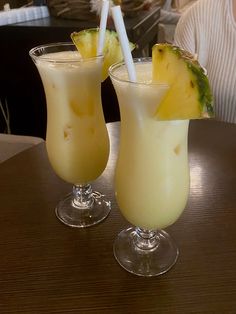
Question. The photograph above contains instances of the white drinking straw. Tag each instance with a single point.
(123, 38)
(102, 27)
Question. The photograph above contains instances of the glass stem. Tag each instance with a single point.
(82, 196)
(146, 239)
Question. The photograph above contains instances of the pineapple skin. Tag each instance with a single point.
(189, 96)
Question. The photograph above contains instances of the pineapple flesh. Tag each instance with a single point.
(86, 43)
(189, 95)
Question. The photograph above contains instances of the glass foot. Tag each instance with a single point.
(81, 213)
(145, 253)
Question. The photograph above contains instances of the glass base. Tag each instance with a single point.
(145, 256)
(87, 214)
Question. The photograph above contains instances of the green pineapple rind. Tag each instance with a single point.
(205, 95)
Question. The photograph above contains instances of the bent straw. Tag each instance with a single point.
(102, 27)
(121, 31)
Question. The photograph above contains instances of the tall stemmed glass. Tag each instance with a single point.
(77, 140)
(152, 173)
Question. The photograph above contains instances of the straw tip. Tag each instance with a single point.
(115, 8)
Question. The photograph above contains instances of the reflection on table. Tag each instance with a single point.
(47, 267)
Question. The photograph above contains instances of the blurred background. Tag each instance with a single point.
(24, 25)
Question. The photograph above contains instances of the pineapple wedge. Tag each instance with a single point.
(189, 95)
(86, 43)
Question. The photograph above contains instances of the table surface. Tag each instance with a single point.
(47, 267)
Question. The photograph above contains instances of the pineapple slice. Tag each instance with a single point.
(189, 95)
(86, 43)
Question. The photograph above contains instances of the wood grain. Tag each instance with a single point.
(46, 267)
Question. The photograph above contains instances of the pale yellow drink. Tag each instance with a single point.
(152, 173)
(77, 139)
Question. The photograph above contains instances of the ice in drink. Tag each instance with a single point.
(152, 172)
(77, 139)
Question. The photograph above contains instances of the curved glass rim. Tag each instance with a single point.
(43, 56)
(116, 65)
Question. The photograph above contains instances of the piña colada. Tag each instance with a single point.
(77, 140)
(152, 173)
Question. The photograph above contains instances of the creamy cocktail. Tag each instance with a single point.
(152, 173)
(77, 140)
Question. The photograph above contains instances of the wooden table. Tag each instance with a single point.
(47, 267)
